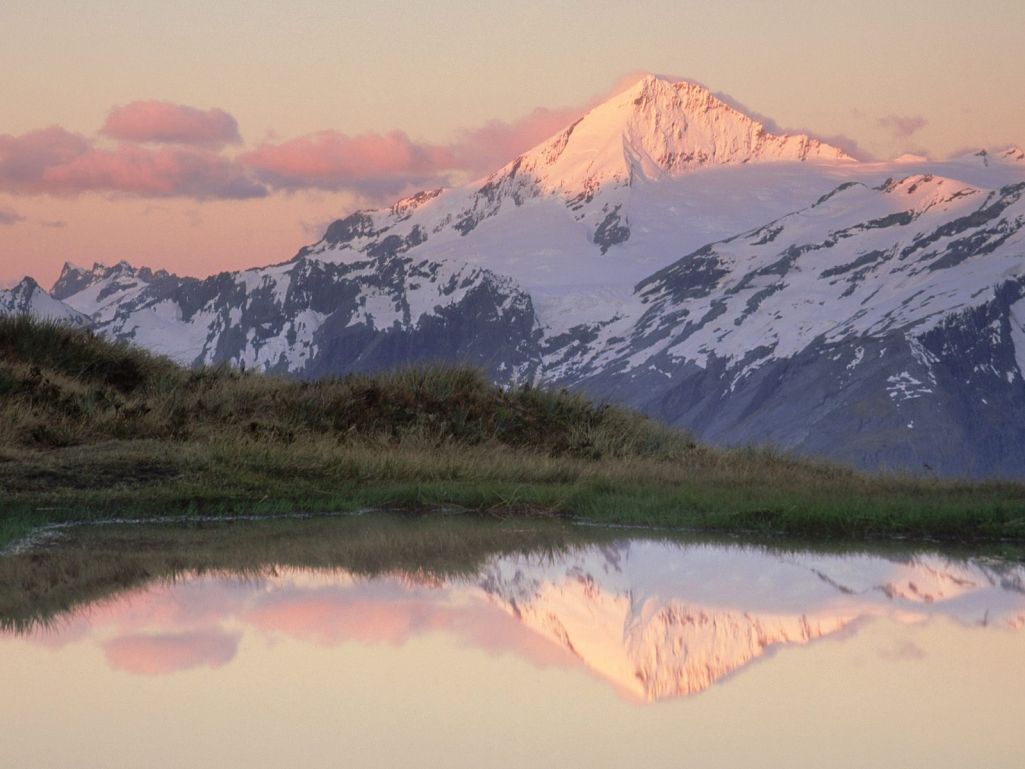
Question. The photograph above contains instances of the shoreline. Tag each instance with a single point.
(46, 533)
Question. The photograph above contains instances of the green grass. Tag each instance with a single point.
(90, 429)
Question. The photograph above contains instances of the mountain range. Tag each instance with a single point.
(668, 252)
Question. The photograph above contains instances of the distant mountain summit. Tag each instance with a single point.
(657, 128)
(668, 252)
(27, 298)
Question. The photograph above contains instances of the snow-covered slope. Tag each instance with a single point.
(860, 261)
(27, 298)
(881, 325)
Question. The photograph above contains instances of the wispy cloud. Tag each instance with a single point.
(164, 653)
(902, 126)
(371, 163)
(167, 123)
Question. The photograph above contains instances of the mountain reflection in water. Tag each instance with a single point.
(654, 619)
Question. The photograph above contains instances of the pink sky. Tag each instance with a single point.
(200, 137)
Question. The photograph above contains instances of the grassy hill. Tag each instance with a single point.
(93, 429)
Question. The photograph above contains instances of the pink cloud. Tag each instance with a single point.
(382, 164)
(180, 608)
(329, 617)
(157, 630)
(902, 126)
(57, 162)
(161, 654)
(149, 172)
(194, 603)
(25, 158)
(389, 614)
(375, 167)
(369, 163)
(166, 123)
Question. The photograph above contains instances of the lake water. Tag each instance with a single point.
(624, 651)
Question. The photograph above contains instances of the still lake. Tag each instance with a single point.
(390, 643)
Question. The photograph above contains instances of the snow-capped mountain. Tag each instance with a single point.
(27, 298)
(577, 220)
(668, 252)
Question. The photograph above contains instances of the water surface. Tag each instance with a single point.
(557, 650)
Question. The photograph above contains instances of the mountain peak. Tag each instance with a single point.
(28, 283)
(987, 156)
(28, 298)
(73, 280)
(1014, 153)
(659, 127)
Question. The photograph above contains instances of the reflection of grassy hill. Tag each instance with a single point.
(92, 563)
(89, 428)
